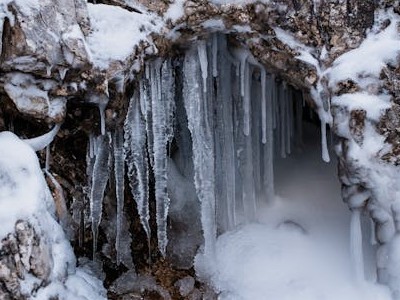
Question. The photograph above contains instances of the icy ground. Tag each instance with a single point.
(300, 249)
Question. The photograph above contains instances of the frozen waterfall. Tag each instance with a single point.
(238, 117)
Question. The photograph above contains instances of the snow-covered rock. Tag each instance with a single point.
(36, 259)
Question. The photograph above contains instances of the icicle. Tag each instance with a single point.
(224, 143)
(263, 106)
(248, 178)
(41, 142)
(324, 143)
(246, 101)
(288, 104)
(373, 240)
(118, 143)
(91, 145)
(162, 116)
(356, 244)
(99, 183)
(61, 206)
(299, 121)
(135, 153)
(283, 121)
(62, 72)
(274, 97)
(47, 163)
(202, 52)
(202, 139)
(243, 77)
(102, 108)
(269, 147)
(215, 54)
(154, 86)
(48, 70)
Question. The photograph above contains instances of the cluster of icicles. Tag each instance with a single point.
(238, 116)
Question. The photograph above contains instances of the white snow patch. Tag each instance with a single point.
(22, 186)
(116, 32)
(373, 105)
(242, 28)
(304, 51)
(216, 24)
(175, 10)
(371, 56)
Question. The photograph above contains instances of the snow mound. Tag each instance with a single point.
(258, 262)
(24, 196)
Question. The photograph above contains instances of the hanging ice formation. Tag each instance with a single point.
(356, 244)
(136, 156)
(119, 164)
(162, 119)
(41, 142)
(238, 118)
(99, 178)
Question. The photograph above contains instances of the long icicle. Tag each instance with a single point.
(324, 143)
(356, 244)
(269, 147)
(202, 52)
(202, 140)
(163, 111)
(136, 157)
(263, 105)
(99, 183)
(118, 147)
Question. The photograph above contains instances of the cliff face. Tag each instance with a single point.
(78, 63)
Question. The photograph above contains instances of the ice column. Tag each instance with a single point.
(135, 153)
(163, 99)
(356, 244)
(98, 186)
(118, 144)
(203, 148)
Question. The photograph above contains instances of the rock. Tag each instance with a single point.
(130, 283)
(185, 285)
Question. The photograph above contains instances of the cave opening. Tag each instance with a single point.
(265, 176)
(232, 174)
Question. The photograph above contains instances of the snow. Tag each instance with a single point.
(24, 195)
(291, 253)
(41, 142)
(374, 53)
(374, 105)
(22, 182)
(175, 10)
(214, 24)
(108, 42)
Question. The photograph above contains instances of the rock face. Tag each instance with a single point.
(55, 67)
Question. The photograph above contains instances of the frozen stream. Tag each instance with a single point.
(300, 248)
